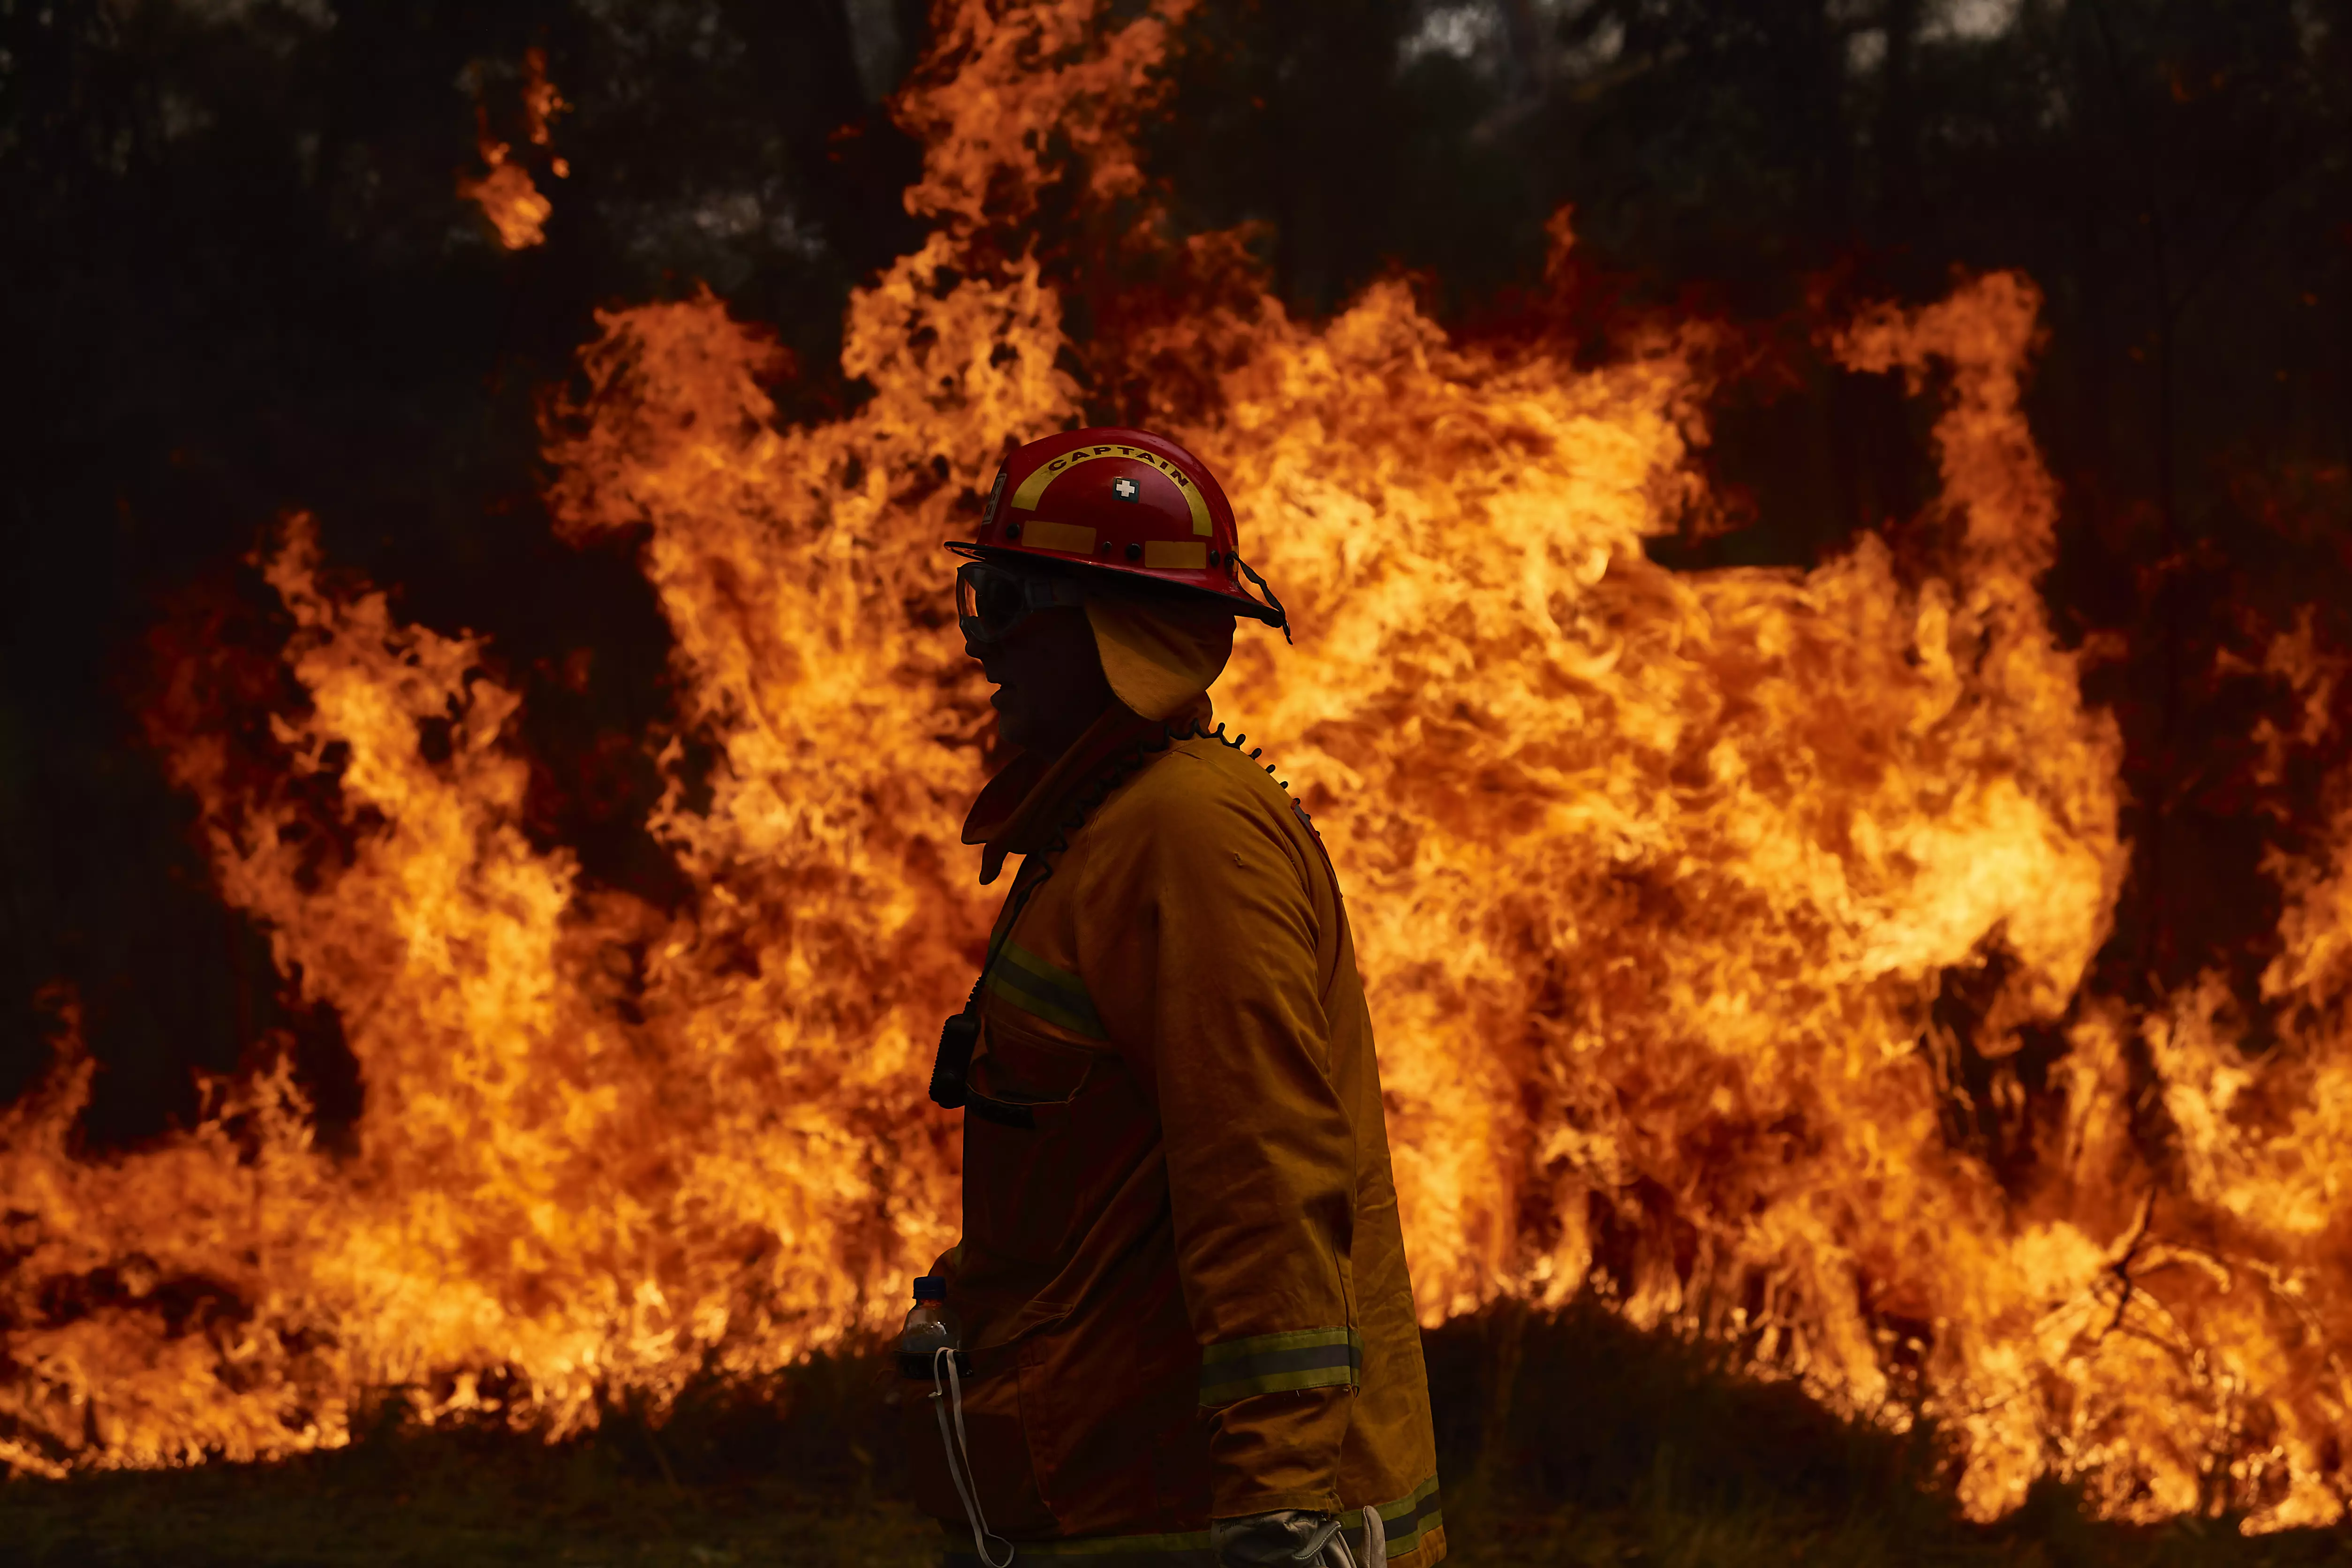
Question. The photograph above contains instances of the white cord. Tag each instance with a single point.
(949, 1397)
(1328, 1537)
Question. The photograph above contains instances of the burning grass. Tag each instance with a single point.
(1614, 1447)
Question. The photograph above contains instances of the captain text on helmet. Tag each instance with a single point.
(1188, 1335)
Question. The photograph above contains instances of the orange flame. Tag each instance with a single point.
(1664, 884)
(510, 199)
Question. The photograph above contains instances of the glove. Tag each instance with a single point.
(1287, 1538)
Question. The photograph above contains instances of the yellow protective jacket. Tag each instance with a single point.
(1181, 1275)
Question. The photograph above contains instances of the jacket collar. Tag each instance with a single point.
(1020, 811)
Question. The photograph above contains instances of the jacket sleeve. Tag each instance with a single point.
(1207, 955)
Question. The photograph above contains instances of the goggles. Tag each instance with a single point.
(990, 601)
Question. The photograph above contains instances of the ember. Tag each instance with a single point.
(1676, 896)
(510, 199)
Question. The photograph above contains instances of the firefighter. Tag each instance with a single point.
(1190, 1337)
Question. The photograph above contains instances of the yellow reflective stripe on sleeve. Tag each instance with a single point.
(1049, 992)
(1408, 1521)
(1279, 1363)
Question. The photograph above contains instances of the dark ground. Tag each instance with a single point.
(1614, 1448)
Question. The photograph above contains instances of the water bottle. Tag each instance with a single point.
(931, 1327)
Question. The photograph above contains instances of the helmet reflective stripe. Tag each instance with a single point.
(1176, 555)
(1033, 488)
(1066, 536)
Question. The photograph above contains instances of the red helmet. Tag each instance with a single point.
(1122, 501)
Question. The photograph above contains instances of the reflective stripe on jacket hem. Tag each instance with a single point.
(1279, 1363)
(1413, 1522)
(1045, 991)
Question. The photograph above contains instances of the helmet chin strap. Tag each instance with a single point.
(1249, 572)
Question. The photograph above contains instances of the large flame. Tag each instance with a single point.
(1704, 914)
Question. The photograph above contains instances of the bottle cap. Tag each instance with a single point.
(931, 1288)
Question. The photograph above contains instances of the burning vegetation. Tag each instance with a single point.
(509, 197)
(1731, 935)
